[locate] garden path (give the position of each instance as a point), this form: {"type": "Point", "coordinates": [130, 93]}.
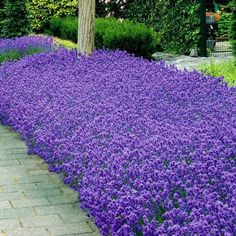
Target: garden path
{"type": "Point", "coordinates": [188, 62]}
{"type": "Point", "coordinates": [33, 201]}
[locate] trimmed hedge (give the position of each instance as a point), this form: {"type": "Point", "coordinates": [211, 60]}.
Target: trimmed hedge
{"type": "Point", "coordinates": [113, 34]}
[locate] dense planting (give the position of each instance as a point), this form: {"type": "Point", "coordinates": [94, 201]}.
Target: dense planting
{"type": "Point", "coordinates": [16, 48]}
{"type": "Point", "coordinates": [150, 149]}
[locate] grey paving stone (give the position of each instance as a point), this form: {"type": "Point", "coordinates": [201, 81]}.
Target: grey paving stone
{"type": "Point", "coordinates": [58, 209]}
{"type": "Point", "coordinates": [70, 229]}
{"type": "Point", "coordinates": [33, 201]}
{"type": "Point", "coordinates": [47, 192]}
{"type": "Point", "coordinates": [11, 196]}
{"type": "Point", "coordinates": [5, 205]}
{"type": "Point", "coordinates": [30, 202]}
{"type": "Point", "coordinates": [38, 172]}
{"type": "Point", "coordinates": [66, 198]}
{"type": "Point", "coordinates": [51, 184]}
{"type": "Point", "coordinates": [77, 217]}
{"type": "Point", "coordinates": [9, 163]}
{"type": "Point", "coordinates": [9, 224]}
{"type": "Point", "coordinates": [16, 213]}
{"type": "Point", "coordinates": [41, 221]}
{"type": "Point", "coordinates": [27, 231]}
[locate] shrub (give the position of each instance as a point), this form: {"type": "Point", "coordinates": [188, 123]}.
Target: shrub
{"type": "Point", "coordinates": [224, 24]}
{"type": "Point", "coordinates": [150, 149]}
{"type": "Point", "coordinates": [111, 33]}
{"type": "Point", "coordinates": [41, 11]}
{"type": "Point", "coordinates": [15, 21]}
{"type": "Point", "coordinates": [177, 22]}
{"type": "Point", "coordinates": [65, 28]}
{"type": "Point", "coordinates": [233, 27]}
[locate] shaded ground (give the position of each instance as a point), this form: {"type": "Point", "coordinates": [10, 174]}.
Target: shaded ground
{"type": "Point", "coordinates": [34, 201]}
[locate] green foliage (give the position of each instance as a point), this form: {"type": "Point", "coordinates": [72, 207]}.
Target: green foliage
{"type": "Point", "coordinates": [233, 28]}
{"type": "Point", "coordinates": [110, 33]}
{"type": "Point", "coordinates": [224, 24]}
{"type": "Point", "coordinates": [12, 55]}
{"type": "Point", "coordinates": [66, 43]}
{"type": "Point", "coordinates": [226, 69]}
{"type": "Point", "coordinates": [14, 20]}
{"type": "Point", "coordinates": [177, 22]}
{"type": "Point", "coordinates": [42, 11]}
{"type": "Point", "coordinates": [65, 28]}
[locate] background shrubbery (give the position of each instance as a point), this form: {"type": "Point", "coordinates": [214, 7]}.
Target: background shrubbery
{"type": "Point", "coordinates": [111, 33]}
{"type": "Point", "coordinates": [233, 28]}
{"type": "Point", "coordinates": [177, 22]}
{"type": "Point", "coordinates": [14, 18]}
{"type": "Point", "coordinates": [41, 11]}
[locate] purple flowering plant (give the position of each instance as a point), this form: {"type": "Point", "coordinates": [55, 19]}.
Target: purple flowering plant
{"type": "Point", "coordinates": [16, 48]}
{"type": "Point", "coordinates": [150, 149]}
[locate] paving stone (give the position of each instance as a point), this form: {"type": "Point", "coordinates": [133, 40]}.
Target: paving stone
{"type": "Point", "coordinates": [30, 202]}
{"type": "Point", "coordinates": [39, 231]}
{"type": "Point", "coordinates": [52, 184]}
{"type": "Point", "coordinates": [16, 213]}
{"type": "Point", "coordinates": [30, 161]}
{"type": "Point", "coordinates": [19, 187]}
{"type": "Point", "coordinates": [41, 221]}
{"type": "Point", "coordinates": [66, 198]}
{"type": "Point", "coordinates": [58, 209]}
{"type": "Point", "coordinates": [5, 205]}
{"type": "Point", "coordinates": [33, 201]}
{"type": "Point", "coordinates": [33, 179]}
{"type": "Point", "coordinates": [70, 229]}
{"type": "Point", "coordinates": [38, 172]}
{"type": "Point", "coordinates": [9, 163]}
{"type": "Point", "coordinates": [77, 217]}
{"type": "Point", "coordinates": [47, 192]}
{"type": "Point", "coordinates": [9, 224]}
{"type": "Point", "coordinates": [11, 196]}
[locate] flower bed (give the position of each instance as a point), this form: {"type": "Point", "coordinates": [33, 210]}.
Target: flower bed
{"type": "Point", "coordinates": [150, 149]}
{"type": "Point", "coordinates": [16, 48]}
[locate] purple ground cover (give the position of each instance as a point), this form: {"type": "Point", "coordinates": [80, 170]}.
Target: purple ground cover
{"type": "Point", "coordinates": [23, 43]}
{"type": "Point", "coordinates": [150, 149]}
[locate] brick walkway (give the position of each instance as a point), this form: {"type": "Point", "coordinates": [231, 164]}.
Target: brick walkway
{"type": "Point", "coordinates": [33, 201]}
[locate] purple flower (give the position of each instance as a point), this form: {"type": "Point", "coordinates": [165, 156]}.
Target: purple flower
{"type": "Point", "coordinates": [150, 149]}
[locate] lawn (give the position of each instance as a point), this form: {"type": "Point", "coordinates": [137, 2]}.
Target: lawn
{"type": "Point", "coordinates": [149, 148]}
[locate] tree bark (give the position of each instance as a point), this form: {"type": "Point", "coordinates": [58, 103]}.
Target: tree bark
{"type": "Point", "coordinates": [86, 31]}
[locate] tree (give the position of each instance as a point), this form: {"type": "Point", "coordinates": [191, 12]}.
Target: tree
{"type": "Point", "coordinates": [15, 19]}
{"type": "Point", "coordinates": [86, 31]}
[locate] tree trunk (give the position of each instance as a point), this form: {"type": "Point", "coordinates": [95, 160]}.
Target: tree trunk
{"type": "Point", "coordinates": [86, 31]}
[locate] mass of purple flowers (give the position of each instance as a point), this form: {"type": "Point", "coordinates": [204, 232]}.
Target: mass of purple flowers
{"type": "Point", "coordinates": [23, 43]}
{"type": "Point", "coordinates": [150, 149]}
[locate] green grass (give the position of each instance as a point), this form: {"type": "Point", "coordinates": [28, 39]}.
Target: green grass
{"type": "Point", "coordinates": [66, 43]}
{"type": "Point", "coordinates": [225, 69]}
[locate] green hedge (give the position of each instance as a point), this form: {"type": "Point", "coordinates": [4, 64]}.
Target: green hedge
{"type": "Point", "coordinates": [177, 22]}
{"type": "Point", "coordinates": [224, 24]}
{"type": "Point", "coordinates": [110, 33]}
{"type": "Point", "coordinates": [41, 11]}
{"type": "Point", "coordinates": [14, 19]}
{"type": "Point", "coordinates": [233, 28]}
